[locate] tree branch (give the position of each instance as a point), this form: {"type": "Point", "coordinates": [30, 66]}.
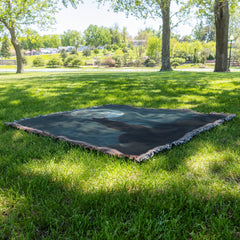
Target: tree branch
{"type": "Point", "coordinates": [5, 23]}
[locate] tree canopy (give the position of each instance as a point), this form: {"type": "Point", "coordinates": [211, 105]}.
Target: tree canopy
{"type": "Point", "coordinates": [71, 38]}
{"type": "Point", "coordinates": [5, 49]}
{"type": "Point", "coordinates": [97, 36]}
{"type": "Point", "coordinates": [145, 9]}
{"type": "Point", "coordinates": [220, 10]}
{"type": "Point", "coordinates": [17, 15]}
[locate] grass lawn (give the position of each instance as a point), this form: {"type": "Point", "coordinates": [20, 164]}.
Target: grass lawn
{"type": "Point", "coordinates": [52, 190]}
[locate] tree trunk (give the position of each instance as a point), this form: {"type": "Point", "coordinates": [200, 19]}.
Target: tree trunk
{"type": "Point", "coordinates": [17, 48]}
{"type": "Point", "coordinates": [221, 12]}
{"type": "Point", "coordinates": [165, 8]}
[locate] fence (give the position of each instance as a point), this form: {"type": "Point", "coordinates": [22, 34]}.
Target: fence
{"type": "Point", "coordinates": [8, 62]}
{"type": "Point", "coordinates": [235, 64]}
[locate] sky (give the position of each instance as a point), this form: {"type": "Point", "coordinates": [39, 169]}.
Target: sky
{"type": "Point", "coordinates": [88, 13]}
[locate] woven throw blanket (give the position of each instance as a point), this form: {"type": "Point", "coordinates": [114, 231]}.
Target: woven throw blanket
{"type": "Point", "coordinates": [122, 130]}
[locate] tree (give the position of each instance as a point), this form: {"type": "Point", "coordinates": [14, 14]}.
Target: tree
{"type": "Point", "coordinates": [115, 35]}
{"type": "Point", "coordinates": [124, 35]}
{"type": "Point", "coordinates": [51, 41]}
{"type": "Point", "coordinates": [154, 48]}
{"type": "Point", "coordinates": [31, 41]}
{"type": "Point", "coordinates": [221, 10]}
{"type": "Point", "coordinates": [144, 9]}
{"type": "Point", "coordinates": [97, 36]}
{"type": "Point", "coordinates": [165, 9]}
{"type": "Point", "coordinates": [5, 49]}
{"type": "Point", "coordinates": [205, 32]}
{"type": "Point", "coordinates": [15, 15]}
{"type": "Point", "coordinates": [144, 35]}
{"type": "Point", "coordinates": [72, 38]}
{"type": "Point", "coordinates": [234, 25]}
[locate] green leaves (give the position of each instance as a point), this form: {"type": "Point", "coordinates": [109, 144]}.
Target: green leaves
{"type": "Point", "coordinates": [97, 36]}
{"type": "Point", "coordinates": [74, 3]}
{"type": "Point", "coordinates": [71, 38]}
{"type": "Point", "coordinates": [21, 13]}
{"type": "Point", "coordinates": [5, 49]}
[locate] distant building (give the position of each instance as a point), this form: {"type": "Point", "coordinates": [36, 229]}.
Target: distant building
{"type": "Point", "coordinates": [137, 43]}
{"type": "Point", "coordinates": [82, 48]}
{"type": "Point", "coordinates": [48, 50]}
{"type": "Point", "coordinates": [33, 52]}
{"type": "Point", "coordinates": [67, 48]}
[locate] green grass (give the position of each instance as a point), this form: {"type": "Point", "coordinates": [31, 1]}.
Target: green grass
{"type": "Point", "coordinates": [52, 190]}
{"type": "Point", "coordinates": [8, 67]}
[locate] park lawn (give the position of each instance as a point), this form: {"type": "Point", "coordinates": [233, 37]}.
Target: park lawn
{"type": "Point", "coordinates": [52, 190]}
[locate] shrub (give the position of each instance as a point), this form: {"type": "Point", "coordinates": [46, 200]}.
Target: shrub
{"type": "Point", "coordinates": [138, 62]}
{"type": "Point", "coordinates": [211, 57]}
{"type": "Point", "coordinates": [105, 52]}
{"type": "Point", "coordinates": [126, 58]}
{"type": "Point", "coordinates": [96, 50]}
{"type": "Point", "coordinates": [131, 46]}
{"type": "Point", "coordinates": [203, 59]}
{"type": "Point", "coordinates": [109, 48]}
{"type": "Point", "coordinates": [63, 54]}
{"type": "Point", "coordinates": [150, 62]}
{"type": "Point", "coordinates": [38, 62]}
{"type": "Point", "coordinates": [115, 46]}
{"type": "Point", "coordinates": [119, 60]}
{"type": "Point", "coordinates": [195, 56]}
{"type": "Point", "coordinates": [86, 52]}
{"type": "Point", "coordinates": [24, 60]}
{"type": "Point", "coordinates": [73, 61]}
{"type": "Point", "coordinates": [125, 50]}
{"type": "Point", "coordinates": [97, 62]}
{"type": "Point", "coordinates": [180, 54]}
{"type": "Point", "coordinates": [109, 61]}
{"type": "Point", "coordinates": [68, 60]}
{"type": "Point", "coordinates": [175, 64]}
{"type": "Point", "coordinates": [74, 51]}
{"type": "Point", "coordinates": [178, 60]}
{"type": "Point", "coordinates": [76, 62]}
{"type": "Point", "coordinates": [54, 62]}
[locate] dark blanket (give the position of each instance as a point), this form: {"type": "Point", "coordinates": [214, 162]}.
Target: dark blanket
{"type": "Point", "coordinates": [122, 130]}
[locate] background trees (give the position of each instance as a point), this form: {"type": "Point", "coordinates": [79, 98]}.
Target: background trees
{"type": "Point", "coordinates": [71, 38]}
{"type": "Point", "coordinates": [115, 35]}
{"type": "Point", "coordinates": [5, 49]}
{"type": "Point", "coordinates": [234, 24]}
{"type": "Point", "coordinates": [31, 40]}
{"type": "Point", "coordinates": [154, 47]}
{"type": "Point", "coordinates": [220, 11]}
{"type": "Point", "coordinates": [50, 41]}
{"type": "Point", "coordinates": [205, 32]}
{"type": "Point", "coordinates": [145, 8]}
{"type": "Point", "coordinates": [97, 36]}
{"type": "Point", "coordinates": [15, 15]}
{"type": "Point", "coordinates": [210, 12]}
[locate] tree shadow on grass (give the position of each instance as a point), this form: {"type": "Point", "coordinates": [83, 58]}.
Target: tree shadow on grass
{"type": "Point", "coordinates": [39, 95]}
{"type": "Point", "coordinates": [68, 91]}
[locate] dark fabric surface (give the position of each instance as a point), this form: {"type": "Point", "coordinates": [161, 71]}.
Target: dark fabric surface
{"type": "Point", "coordinates": [129, 130]}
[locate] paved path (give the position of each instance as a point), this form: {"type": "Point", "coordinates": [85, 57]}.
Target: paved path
{"type": "Point", "coordinates": [109, 70]}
